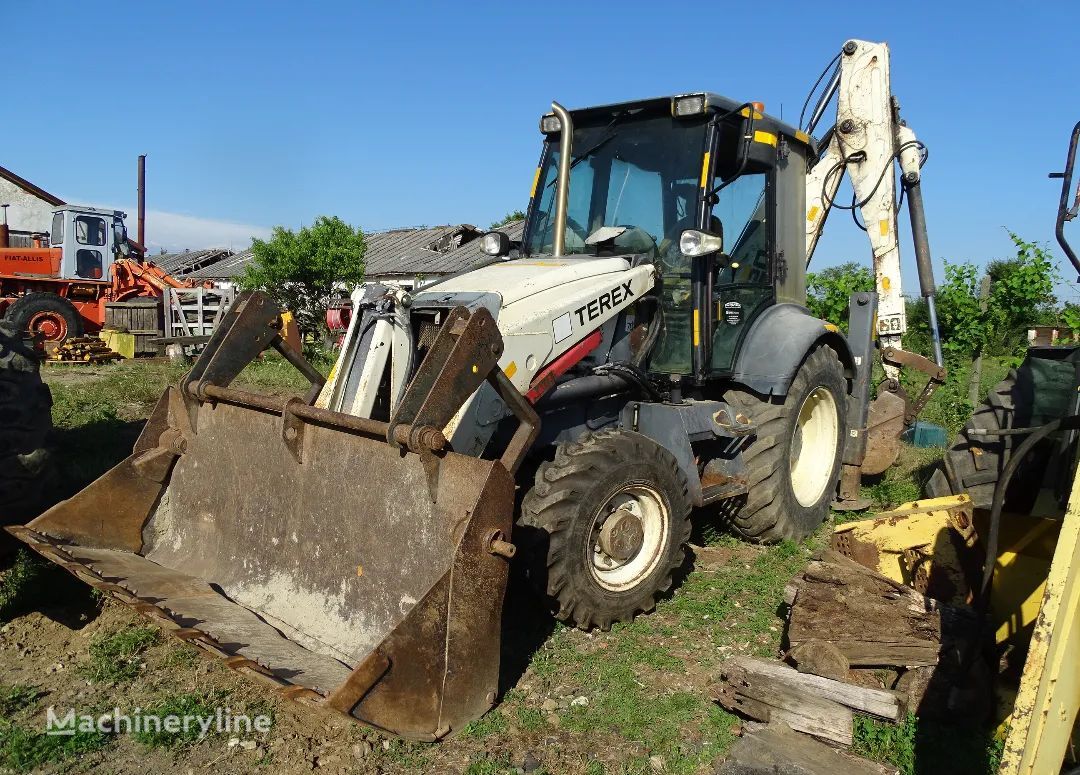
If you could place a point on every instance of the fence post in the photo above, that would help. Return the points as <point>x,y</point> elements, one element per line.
<point>975,384</point>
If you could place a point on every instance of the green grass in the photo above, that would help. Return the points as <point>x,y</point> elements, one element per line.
<point>16,697</point>
<point>918,747</point>
<point>202,705</point>
<point>17,583</point>
<point>116,657</point>
<point>25,750</point>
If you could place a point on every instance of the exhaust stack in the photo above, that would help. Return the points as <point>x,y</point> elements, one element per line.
<point>562,186</point>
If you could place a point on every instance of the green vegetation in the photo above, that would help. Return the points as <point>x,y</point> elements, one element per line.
<point>18,582</point>
<point>915,746</point>
<point>116,657</point>
<point>510,217</point>
<point>16,697</point>
<point>25,750</point>
<point>180,705</point>
<point>304,270</point>
<point>828,291</point>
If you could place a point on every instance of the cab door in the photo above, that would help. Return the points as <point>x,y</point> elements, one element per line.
<point>88,251</point>
<point>743,287</point>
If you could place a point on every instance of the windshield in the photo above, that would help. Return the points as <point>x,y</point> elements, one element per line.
<point>632,172</point>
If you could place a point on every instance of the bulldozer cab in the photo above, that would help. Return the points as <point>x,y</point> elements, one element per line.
<point>642,173</point>
<point>90,239</point>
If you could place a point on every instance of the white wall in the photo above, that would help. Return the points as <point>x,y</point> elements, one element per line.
<point>27,212</point>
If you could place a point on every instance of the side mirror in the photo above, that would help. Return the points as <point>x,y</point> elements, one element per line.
<point>695,243</point>
<point>495,243</point>
<point>120,240</point>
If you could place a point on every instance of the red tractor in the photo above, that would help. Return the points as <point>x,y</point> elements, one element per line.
<point>61,290</point>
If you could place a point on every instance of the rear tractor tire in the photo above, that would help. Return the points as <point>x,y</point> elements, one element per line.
<point>793,463</point>
<point>52,316</point>
<point>610,516</point>
<point>25,423</point>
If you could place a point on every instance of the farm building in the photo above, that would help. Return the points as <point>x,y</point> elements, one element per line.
<point>407,257</point>
<point>29,208</point>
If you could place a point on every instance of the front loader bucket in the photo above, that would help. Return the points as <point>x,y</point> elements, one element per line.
<point>350,572</point>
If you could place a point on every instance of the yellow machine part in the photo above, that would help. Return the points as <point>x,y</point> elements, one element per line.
<point>932,545</point>
<point>119,342</point>
<point>913,544</point>
<point>1044,716</point>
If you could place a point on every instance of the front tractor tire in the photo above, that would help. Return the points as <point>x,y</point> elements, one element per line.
<point>793,463</point>
<point>53,317</point>
<point>610,516</point>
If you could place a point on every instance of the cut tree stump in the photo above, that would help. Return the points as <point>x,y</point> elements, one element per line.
<point>872,620</point>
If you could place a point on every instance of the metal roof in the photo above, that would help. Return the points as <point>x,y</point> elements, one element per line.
<point>227,268</point>
<point>181,264</point>
<point>408,252</point>
<point>435,250</point>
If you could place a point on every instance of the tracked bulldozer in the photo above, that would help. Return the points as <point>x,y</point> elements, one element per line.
<point>645,349</point>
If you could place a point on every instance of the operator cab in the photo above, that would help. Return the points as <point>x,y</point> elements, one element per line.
<point>724,173</point>
<point>90,239</point>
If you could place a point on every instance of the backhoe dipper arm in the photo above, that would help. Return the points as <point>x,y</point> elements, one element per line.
<point>867,138</point>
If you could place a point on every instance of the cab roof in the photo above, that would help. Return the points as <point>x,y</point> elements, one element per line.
<point>713,103</point>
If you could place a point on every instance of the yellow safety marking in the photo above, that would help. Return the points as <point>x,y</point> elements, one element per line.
<point>746,112</point>
<point>764,137</point>
<point>333,372</point>
<point>802,136</point>
<point>883,226</point>
<point>536,182</point>
<point>475,369</point>
<point>812,214</point>
<point>832,327</point>
<point>510,370</point>
<point>697,328</point>
<point>886,283</point>
<point>705,170</point>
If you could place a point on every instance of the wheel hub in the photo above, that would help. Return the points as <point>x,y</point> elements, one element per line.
<point>51,327</point>
<point>622,535</point>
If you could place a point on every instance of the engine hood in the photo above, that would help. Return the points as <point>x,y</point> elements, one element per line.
<point>521,278</point>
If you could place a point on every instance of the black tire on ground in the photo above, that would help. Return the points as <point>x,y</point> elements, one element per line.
<point>976,462</point>
<point>28,312</point>
<point>772,510</point>
<point>596,492</point>
<point>25,423</point>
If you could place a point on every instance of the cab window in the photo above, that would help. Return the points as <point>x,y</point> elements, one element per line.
<point>56,235</point>
<point>89,230</point>
<point>88,264</point>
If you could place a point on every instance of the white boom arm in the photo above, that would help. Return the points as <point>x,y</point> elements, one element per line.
<point>867,137</point>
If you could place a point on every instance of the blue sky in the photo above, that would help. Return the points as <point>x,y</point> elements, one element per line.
<point>397,114</point>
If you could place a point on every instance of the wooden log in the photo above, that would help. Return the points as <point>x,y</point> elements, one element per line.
<point>777,750</point>
<point>877,702</point>
<point>872,620</point>
<point>751,694</point>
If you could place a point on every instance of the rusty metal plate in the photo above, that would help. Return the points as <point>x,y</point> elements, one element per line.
<point>885,423</point>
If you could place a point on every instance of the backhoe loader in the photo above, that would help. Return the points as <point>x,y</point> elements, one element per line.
<point>644,350</point>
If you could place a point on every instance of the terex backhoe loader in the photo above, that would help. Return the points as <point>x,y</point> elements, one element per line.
<point>644,350</point>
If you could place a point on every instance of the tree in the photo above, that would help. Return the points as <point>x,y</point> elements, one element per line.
<point>303,270</point>
<point>515,215</point>
<point>828,291</point>
<point>1021,295</point>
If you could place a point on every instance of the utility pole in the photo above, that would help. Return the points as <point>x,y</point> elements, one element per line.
<point>142,201</point>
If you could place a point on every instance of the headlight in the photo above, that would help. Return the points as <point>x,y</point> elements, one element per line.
<point>495,243</point>
<point>687,105</point>
<point>550,124</point>
<point>693,242</point>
